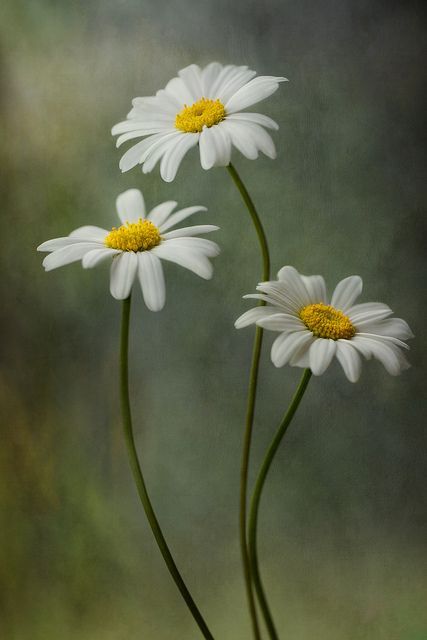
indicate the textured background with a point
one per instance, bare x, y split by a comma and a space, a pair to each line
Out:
343, 521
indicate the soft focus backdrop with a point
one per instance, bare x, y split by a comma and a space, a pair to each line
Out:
342, 536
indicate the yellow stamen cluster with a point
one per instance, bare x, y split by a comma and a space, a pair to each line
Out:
134, 236
203, 113
327, 322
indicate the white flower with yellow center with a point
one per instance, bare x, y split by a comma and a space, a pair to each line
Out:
137, 247
199, 106
313, 329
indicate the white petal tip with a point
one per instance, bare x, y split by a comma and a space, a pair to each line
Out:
156, 309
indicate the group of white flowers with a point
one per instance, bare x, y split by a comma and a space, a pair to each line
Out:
205, 107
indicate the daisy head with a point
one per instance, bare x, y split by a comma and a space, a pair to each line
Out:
313, 328
199, 106
137, 247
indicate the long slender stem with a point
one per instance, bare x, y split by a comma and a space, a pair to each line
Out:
256, 497
253, 380
139, 478
255, 219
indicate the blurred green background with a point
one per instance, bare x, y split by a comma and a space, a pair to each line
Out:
342, 535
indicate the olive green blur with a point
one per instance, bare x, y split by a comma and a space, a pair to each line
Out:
342, 521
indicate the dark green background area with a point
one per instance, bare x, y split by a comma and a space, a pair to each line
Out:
342, 531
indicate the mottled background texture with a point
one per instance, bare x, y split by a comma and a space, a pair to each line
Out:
343, 529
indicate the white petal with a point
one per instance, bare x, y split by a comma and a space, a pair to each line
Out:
96, 256
161, 212
160, 104
349, 359
346, 292
255, 118
192, 260
236, 79
254, 91
207, 247
126, 126
239, 138
287, 344
385, 339
262, 296
282, 322
359, 314
253, 315
224, 73
59, 243
152, 114
138, 153
130, 206
150, 272
132, 156
140, 132
285, 296
179, 216
131, 135
89, 233
321, 353
175, 154
316, 288
192, 77
301, 357
122, 274
190, 231
389, 354
295, 285
258, 136
67, 255
209, 76
153, 154
215, 147
176, 88
395, 327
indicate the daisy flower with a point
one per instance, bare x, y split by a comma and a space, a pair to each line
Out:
137, 247
199, 106
313, 329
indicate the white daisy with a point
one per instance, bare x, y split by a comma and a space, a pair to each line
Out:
137, 247
199, 106
314, 330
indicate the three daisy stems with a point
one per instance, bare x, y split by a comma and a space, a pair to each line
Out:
139, 478
256, 496
250, 411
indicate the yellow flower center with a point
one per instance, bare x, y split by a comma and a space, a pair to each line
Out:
203, 113
134, 236
327, 322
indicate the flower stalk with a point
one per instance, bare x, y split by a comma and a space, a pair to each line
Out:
139, 478
250, 410
256, 497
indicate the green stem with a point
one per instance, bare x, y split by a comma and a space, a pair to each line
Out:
253, 380
256, 496
255, 219
139, 478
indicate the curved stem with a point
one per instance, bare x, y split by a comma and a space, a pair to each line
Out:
256, 496
255, 219
139, 478
253, 380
